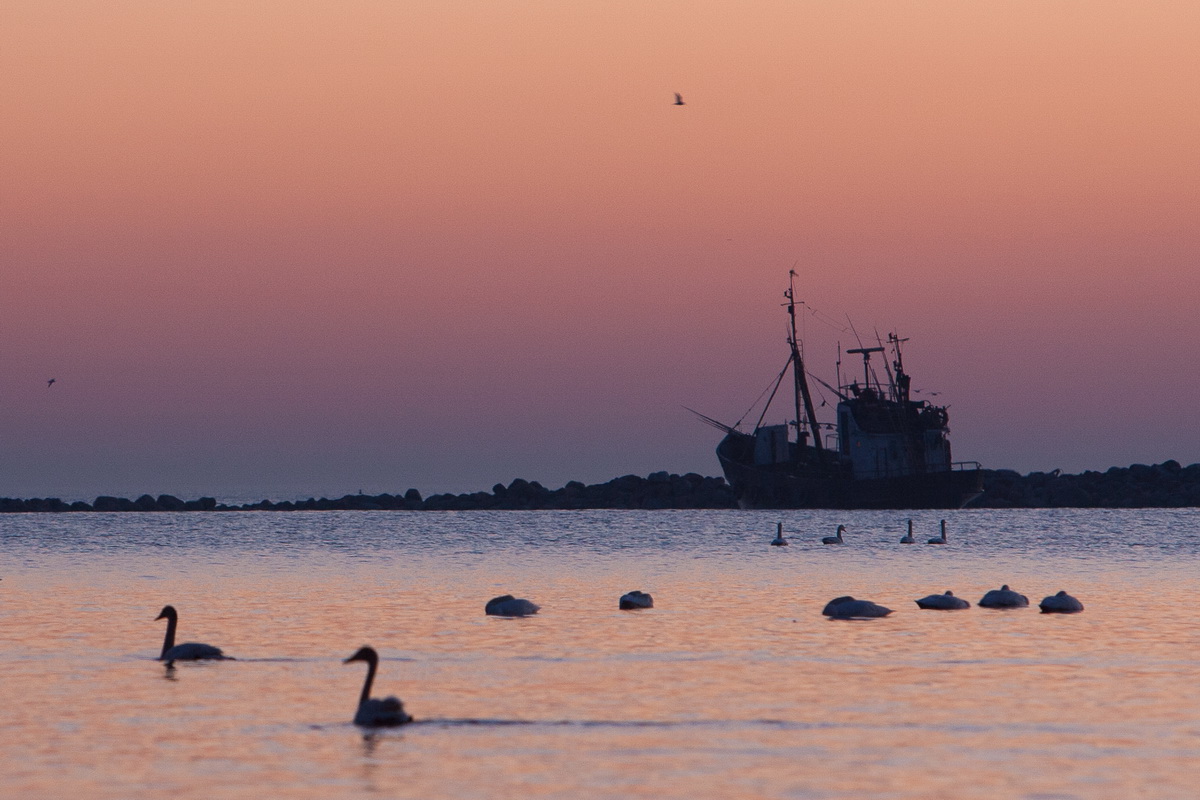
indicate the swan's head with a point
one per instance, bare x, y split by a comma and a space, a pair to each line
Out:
1005, 588
841, 528
366, 654
168, 613
949, 593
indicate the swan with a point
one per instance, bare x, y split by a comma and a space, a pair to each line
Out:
372, 711
508, 606
636, 599
1061, 603
908, 537
779, 541
943, 602
189, 651
1004, 598
939, 539
849, 608
835, 539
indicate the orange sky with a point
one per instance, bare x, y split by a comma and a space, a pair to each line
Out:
316, 247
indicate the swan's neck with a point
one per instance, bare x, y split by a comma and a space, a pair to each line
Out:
169, 640
366, 692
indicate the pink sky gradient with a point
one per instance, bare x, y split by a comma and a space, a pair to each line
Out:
285, 248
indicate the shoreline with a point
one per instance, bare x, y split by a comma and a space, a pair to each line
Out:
1165, 485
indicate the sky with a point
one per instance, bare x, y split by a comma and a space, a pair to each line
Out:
282, 249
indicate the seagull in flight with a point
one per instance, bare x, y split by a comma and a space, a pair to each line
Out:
679, 99
50, 382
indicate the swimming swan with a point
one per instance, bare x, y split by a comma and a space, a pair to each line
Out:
636, 599
508, 606
849, 608
835, 539
908, 537
1004, 598
189, 651
943, 602
939, 539
779, 541
372, 711
1061, 603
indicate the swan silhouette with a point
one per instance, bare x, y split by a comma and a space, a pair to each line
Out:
635, 599
835, 539
374, 712
848, 608
508, 606
943, 602
908, 537
939, 539
678, 100
1004, 598
1061, 603
779, 541
189, 651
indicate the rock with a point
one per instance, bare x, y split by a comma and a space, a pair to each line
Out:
1061, 603
635, 599
943, 602
848, 608
1003, 598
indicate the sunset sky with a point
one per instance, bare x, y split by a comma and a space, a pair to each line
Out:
277, 249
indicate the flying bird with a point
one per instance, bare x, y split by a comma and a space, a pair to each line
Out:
50, 382
679, 99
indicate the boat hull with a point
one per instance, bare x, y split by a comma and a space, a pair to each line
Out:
809, 486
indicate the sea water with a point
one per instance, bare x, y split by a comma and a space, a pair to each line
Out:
733, 685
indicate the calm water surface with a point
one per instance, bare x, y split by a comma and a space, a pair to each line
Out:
734, 685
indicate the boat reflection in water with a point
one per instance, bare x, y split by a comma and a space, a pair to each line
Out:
887, 450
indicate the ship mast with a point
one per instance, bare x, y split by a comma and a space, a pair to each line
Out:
802, 392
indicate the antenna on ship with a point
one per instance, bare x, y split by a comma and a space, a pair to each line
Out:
802, 392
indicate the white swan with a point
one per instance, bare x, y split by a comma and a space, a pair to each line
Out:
849, 608
939, 539
508, 606
372, 711
908, 537
1004, 598
1061, 603
943, 602
635, 599
835, 539
779, 541
189, 651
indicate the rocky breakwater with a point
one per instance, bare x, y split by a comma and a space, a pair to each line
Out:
1165, 485
656, 491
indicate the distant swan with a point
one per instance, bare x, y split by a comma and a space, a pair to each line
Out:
908, 537
943, 602
508, 606
190, 651
779, 541
1004, 598
1061, 603
835, 539
939, 539
635, 599
849, 608
372, 711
